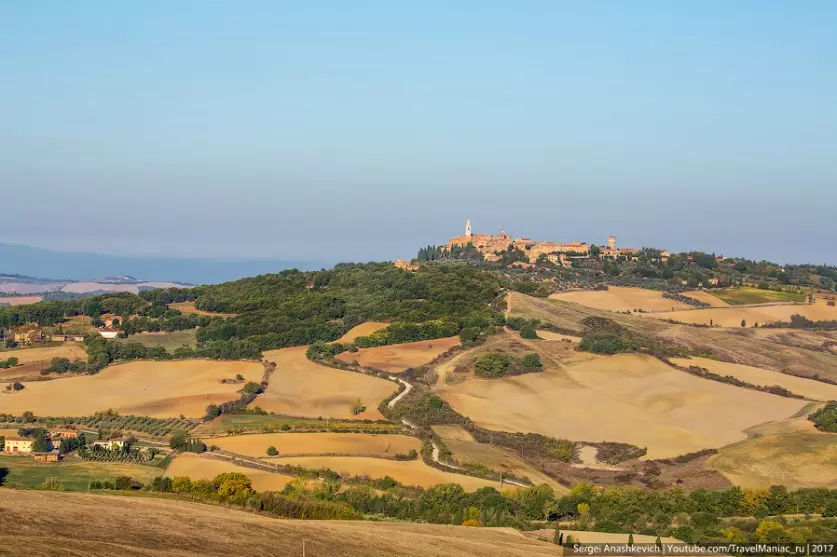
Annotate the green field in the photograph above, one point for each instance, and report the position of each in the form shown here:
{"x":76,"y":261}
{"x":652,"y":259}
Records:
{"x":240,"y":423}
{"x":169,"y":341}
{"x":74,"y":474}
{"x":742,"y":296}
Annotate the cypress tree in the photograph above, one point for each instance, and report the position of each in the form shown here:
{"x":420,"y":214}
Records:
{"x":630,"y":540}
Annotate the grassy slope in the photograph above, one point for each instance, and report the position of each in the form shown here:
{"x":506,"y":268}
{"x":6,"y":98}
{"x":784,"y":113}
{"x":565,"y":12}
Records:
{"x":169,"y":341}
{"x":158,"y":527}
{"x":74,"y":474}
{"x":740,"y":296}
{"x":744,"y":347}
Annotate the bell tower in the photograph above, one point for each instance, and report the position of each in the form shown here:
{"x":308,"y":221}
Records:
{"x":468,"y":227}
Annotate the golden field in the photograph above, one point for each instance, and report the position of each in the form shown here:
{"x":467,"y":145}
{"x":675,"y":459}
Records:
{"x":146,"y":388}
{"x":33,"y":360}
{"x":396,"y":358}
{"x":409,"y":472}
{"x":732,"y":316}
{"x":299,"y":387}
{"x":792,"y":453}
{"x":808,"y":388}
{"x":706,"y":298}
{"x":467,"y":451}
{"x":317,"y":443}
{"x":202,"y":468}
{"x":628,"y":398}
{"x":621,"y":298}
{"x":46,"y":524}
{"x":362,"y":330}
{"x":20,"y":300}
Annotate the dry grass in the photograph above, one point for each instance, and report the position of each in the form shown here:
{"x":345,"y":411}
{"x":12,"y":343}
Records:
{"x":549,"y":335}
{"x":780,"y":352}
{"x":362,"y":330}
{"x":299,"y":387}
{"x":499,"y":459}
{"x":706,"y":298}
{"x":20,"y":300}
{"x":791,"y":453}
{"x":189,"y":307}
{"x":621,"y":298}
{"x":48,"y":524}
{"x":626,"y":398}
{"x":453,"y":432}
{"x":808,"y":388}
{"x":410,"y":472}
{"x":33,"y":360}
{"x":585,"y":536}
{"x":396,"y":358}
{"x":318,"y":443}
{"x":203,"y":468}
{"x":146,"y":388}
{"x":170,"y":341}
{"x":731,"y":316}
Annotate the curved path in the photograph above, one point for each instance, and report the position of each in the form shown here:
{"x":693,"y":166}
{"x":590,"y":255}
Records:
{"x":405,"y":392}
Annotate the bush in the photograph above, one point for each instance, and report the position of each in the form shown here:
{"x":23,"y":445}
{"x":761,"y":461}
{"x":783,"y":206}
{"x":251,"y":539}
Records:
{"x":532,"y":361}
{"x":271,"y":451}
{"x":528,"y":332}
{"x":492,"y":365}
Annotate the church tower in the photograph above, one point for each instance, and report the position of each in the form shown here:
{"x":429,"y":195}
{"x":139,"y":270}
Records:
{"x":468,"y":227}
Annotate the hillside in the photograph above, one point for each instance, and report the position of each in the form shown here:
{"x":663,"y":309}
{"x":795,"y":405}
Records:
{"x":50,"y":523}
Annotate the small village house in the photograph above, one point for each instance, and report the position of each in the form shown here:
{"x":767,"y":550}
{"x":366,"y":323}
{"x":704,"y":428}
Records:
{"x":18,"y":445}
{"x":51,"y":456}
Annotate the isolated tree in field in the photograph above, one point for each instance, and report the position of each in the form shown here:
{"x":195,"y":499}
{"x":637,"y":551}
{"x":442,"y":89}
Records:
{"x":239,"y":377}
{"x":743,"y":322}
{"x":630,"y":540}
{"x":659,"y":543}
{"x":528,"y":332}
{"x":357,"y":407}
{"x":271,"y":451}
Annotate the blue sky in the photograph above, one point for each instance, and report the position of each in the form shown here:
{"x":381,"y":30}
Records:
{"x":362,"y":130}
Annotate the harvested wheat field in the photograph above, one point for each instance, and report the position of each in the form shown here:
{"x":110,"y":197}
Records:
{"x":636,"y":399}
{"x":189,"y":307}
{"x":396,"y":358}
{"x":549,"y":335}
{"x":299,"y":387}
{"x":409,"y":472}
{"x":317,"y":443}
{"x":200,"y":467}
{"x":8,"y":432}
{"x":20,"y":300}
{"x":706,"y":298}
{"x":33,"y":360}
{"x":732,"y":316}
{"x":145,"y":388}
{"x":362,"y":330}
{"x":455,"y":432}
{"x":621,"y":298}
{"x":808,"y":388}
{"x":792,"y":453}
{"x":41,"y":523}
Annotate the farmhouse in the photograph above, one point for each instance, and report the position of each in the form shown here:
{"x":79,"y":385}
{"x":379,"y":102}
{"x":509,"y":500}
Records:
{"x":19,"y":445}
{"x":51,"y":456}
{"x":58,"y":434}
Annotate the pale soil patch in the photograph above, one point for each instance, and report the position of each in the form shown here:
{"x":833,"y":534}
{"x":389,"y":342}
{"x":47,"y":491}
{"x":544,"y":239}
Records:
{"x":549,"y":335}
{"x":362,"y":330}
{"x":146,"y":388}
{"x":317,"y":443}
{"x":588,"y":457}
{"x":189,"y":307}
{"x":20,"y":300}
{"x":39,"y":524}
{"x":84,"y":287}
{"x":621,"y":298}
{"x":203,"y":468}
{"x":731,"y":316}
{"x":499,"y":459}
{"x":808,"y":388}
{"x":706,"y":298}
{"x":395,"y":358}
{"x":453,"y":432}
{"x":410,"y":472}
{"x":627,"y":398}
{"x":299,"y":387}
{"x":794,"y":454}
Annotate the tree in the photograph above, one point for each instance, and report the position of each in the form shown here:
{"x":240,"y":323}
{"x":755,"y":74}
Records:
{"x":743,"y":322}
{"x":40,"y":443}
{"x":357,"y":407}
{"x":532,"y":361}
{"x":659,"y":543}
{"x":556,"y":538}
{"x":528,"y":332}
{"x":10,"y":342}
{"x":252,"y":388}
{"x":271,"y":451}
{"x":239,"y":377}
{"x":630,"y":540}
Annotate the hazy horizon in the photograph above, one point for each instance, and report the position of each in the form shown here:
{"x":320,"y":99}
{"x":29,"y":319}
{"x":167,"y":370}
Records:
{"x":361,"y":131}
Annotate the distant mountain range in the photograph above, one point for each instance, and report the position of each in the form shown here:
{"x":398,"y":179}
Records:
{"x":62,"y":267}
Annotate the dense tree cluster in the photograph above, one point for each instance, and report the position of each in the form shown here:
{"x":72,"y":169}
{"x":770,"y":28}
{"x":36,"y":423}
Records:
{"x":499,"y":364}
{"x":826,"y":418}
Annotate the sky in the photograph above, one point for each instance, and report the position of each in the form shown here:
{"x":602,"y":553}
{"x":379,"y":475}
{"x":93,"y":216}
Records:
{"x":338,"y":131}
